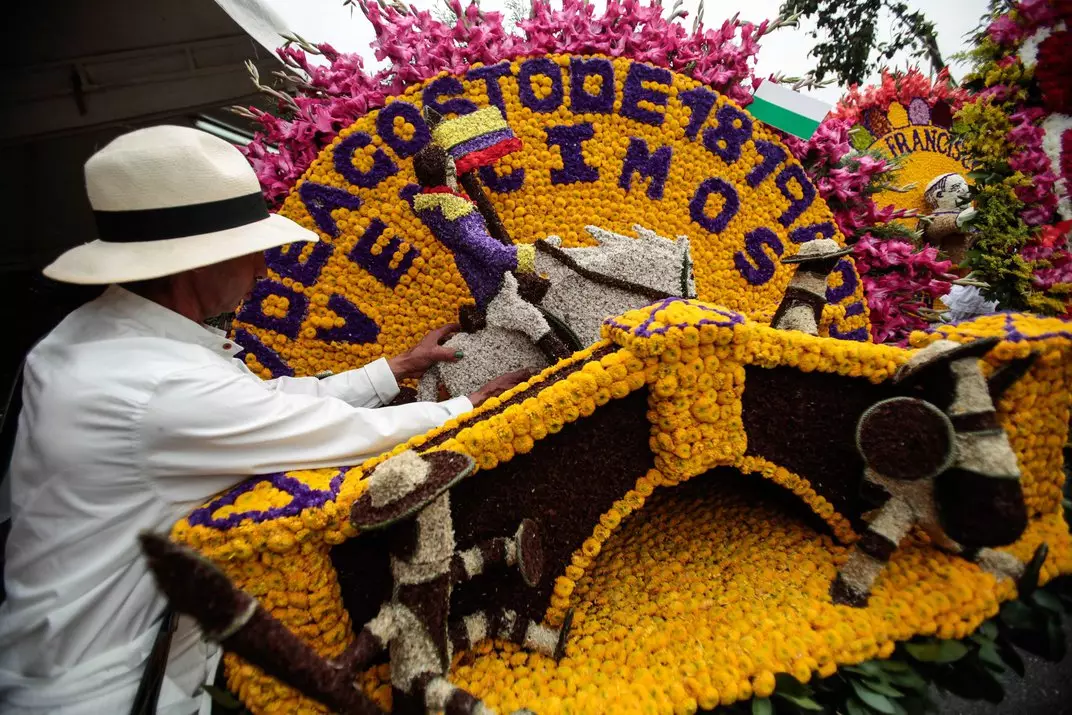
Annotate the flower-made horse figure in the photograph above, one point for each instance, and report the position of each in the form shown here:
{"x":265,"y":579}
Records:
{"x":585,"y":285}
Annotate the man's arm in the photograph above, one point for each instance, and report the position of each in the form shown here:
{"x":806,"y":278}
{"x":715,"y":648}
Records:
{"x":213,"y":421}
{"x":376,"y":383}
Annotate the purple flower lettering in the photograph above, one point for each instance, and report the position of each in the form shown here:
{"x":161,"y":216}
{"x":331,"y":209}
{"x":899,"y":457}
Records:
{"x":848,"y":282}
{"x":580,"y":100}
{"x":700,"y":102}
{"x":810,"y":233}
{"x":385,"y":126}
{"x":442,"y":87}
{"x":540,"y":66}
{"x":502,"y":183}
{"x":289,"y":324}
{"x":379,"y":265}
{"x":289,"y":264}
{"x":634,"y":92}
{"x":357,"y":328}
{"x":491,"y":75}
{"x":796,"y":206}
{"x":321,"y":200}
{"x":568,"y":138}
{"x":773,"y":155}
{"x":754,"y":241}
{"x":654,"y":165}
{"x":698,"y":205}
{"x":382,"y":166}
{"x":733,"y":130}
{"x":265,"y":355}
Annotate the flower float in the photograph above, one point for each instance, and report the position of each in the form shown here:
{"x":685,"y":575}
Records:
{"x":682,"y":596}
{"x":693,"y":473}
{"x":1018,"y":130}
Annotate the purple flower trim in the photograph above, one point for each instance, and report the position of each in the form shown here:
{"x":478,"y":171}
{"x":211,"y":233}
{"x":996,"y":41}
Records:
{"x":265,"y":356}
{"x":382,"y":166}
{"x":854,"y":309}
{"x":358,"y":328}
{"x":700,"y":102}
{"x":491,"y":74}
{"x":442,"y":87}
{"x":754,"y":241}
{"x":290,"y":324}
{"x":653,"y":165}
{"x":1012,"y":333}
{"x":481,"y":260}
{"x":634,"y":92}
{"x":848,"y":282}
{"x":697,"y":206}
{"x":290,"y":266}
{"x":582,"y":102}
{"x":726,"y":319}
{"x":385,"y":127}
{"x":568,"y":138}
{"x":304,"y":497}
{"x":481,"y":142}
{"x":796,"y":206}
{"x":860,"y":335}
{"x":321,"y":200}
{"x":380,"y":265}
{"x":504,"y":184}
{"x":546,"y":67}
{"x":725,"y":140}
{"x":812,"y":232}
{"x":773,"y":155}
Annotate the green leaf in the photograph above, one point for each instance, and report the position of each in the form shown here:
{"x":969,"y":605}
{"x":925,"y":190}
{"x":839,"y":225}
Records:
{"x":883,"y":688}
{"x":1017,"y":614}
{"x":801,"y":701}
{"x":988,"y":630}
{"x":762,"y":706}
{"x":895,"y":666}
{"x":1029,"y":580}
{"x":1056,"y":636}
{"x":1011,"y":656}
{"x":1046,"y":600}
{"x":972,"y":681}
{"x":988,"y":654}
{"x":786,"y":684}
{"x":944,"y":651}
{"x":875,"y":701}
{"x":910,"y":680}
{"x":868,"y":667}
{"x":855,"y":707}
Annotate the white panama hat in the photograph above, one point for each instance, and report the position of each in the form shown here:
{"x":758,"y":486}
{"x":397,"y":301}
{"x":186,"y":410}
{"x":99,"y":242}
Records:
{"x":169,"y":199}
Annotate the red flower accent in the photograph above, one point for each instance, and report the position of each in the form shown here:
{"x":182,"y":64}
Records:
{"x":1054,"y":72}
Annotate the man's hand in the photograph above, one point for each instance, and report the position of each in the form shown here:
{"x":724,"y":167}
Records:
{"x":424,"y":354}
{"x":499,"y":385}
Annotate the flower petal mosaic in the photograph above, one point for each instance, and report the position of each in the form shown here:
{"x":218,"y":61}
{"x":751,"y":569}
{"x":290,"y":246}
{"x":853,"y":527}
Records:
{"x":660,"y":150}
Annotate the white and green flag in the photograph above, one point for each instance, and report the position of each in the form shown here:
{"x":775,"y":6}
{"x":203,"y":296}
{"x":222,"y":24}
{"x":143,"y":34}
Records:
{"x":790,"y":111}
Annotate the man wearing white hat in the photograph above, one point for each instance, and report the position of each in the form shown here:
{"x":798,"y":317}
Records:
{"x":134,"y":413}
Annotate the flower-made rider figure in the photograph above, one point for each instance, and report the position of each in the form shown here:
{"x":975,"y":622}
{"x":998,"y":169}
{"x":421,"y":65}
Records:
{"x":488,"y":264}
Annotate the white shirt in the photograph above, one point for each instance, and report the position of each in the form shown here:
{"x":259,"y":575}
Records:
{"x":132,"y":416}
{"x":967,"y":302}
